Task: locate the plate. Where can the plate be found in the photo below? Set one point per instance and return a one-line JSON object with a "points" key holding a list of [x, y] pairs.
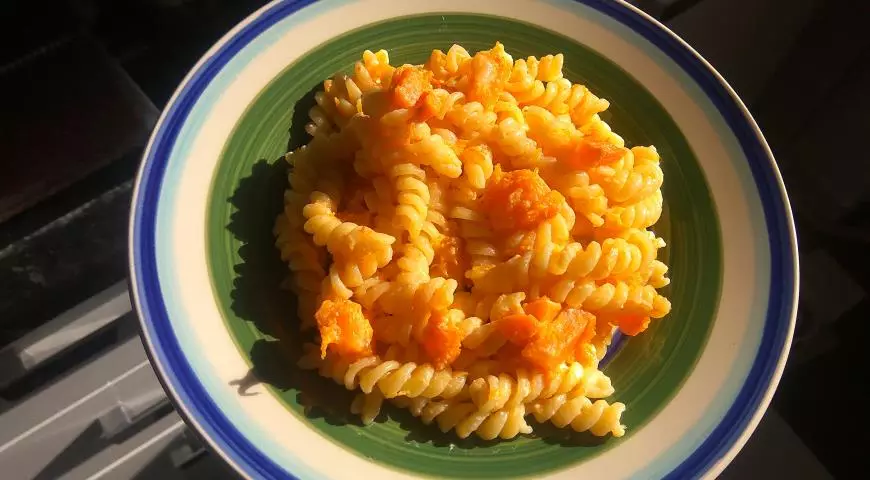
{"points": [[220, 331]]}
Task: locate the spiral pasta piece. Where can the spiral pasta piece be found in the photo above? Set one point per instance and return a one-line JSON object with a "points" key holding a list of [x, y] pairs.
{"points": [[485, 338], [610, 297], [561, 97], [298, 249], [357, 251], [367, 406], [370, 291], [614, 258], [477, 165], [464, 419], [413, 301], [447, 67], [306, 261], [586, 199], [477, 234], [343, 238], [497, 392], [391, 378], [472, 120], [597, 129], [510, 136], [432, 150], [581, 414], [642, 214], [412, 197]]}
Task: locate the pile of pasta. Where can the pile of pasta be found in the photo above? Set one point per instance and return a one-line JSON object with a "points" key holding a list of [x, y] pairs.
{"points": [[465, 236]]}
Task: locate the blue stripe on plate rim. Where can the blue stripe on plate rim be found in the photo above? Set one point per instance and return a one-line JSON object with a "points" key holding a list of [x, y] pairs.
{"points": [[197, 407]]}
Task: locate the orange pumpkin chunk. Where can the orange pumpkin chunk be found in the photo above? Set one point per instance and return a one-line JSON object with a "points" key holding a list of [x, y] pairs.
{"points": [[429, 106], [450, 260], [543, 309], [519, 200], [590, 153], [442, 340], [409, 84], [518, 328], [633, 324], [557, 340], [343, 325], [489, 72]]}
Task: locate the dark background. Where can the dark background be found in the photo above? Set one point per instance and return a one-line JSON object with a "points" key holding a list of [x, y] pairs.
{"points": [[82, 83]]}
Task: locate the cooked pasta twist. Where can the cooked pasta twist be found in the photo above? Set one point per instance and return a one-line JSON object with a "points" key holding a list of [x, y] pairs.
{"points": [[655, 275], [297, 249], [485, 339], [475, 305], [496, 392], [418, 255], [446, 67], [587, 199], [392, 378], [367, 406], [642, 214], [561, 97], [510, 136], [464, 418], [436, 294], [370, 291], [342, 237], [610, 297], [477, 165], [401, 330], [547, 68], [473, 120], [475, 230], [628, 180], [444, 102], [432, 150], [615, 258], [368, 249], [597, 129], [599, 418], [412, 197], [306, 260], [341, 96]]}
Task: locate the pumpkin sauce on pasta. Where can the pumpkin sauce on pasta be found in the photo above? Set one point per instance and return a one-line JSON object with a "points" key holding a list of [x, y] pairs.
{"points": [[464, 238]]}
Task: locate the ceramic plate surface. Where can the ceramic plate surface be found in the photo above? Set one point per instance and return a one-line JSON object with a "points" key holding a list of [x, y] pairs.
{"points": [[221, 333]]}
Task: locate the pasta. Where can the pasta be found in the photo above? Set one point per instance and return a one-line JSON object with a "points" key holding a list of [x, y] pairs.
{"points": [[581, 414], [465, 237], [466, 418]]}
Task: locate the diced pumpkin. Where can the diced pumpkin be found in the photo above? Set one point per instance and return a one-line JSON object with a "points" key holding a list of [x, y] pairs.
{"points": [[518, 328], [557, 339], [633, 324], [442, 340], [543, 309], [450, 260], [519, 200], [409, 84], [590, 153], [343, 325]]}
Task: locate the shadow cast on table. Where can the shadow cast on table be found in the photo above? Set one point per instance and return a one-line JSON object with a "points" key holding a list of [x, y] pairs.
{"points": [[258, 298]]}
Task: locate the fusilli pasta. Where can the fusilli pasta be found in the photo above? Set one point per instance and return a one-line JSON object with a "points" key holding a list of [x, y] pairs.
{"points": [[466, 236], [581, 414]]}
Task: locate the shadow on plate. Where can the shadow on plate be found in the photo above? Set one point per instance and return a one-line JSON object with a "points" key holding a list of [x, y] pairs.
{"points": [[258, 298]]}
